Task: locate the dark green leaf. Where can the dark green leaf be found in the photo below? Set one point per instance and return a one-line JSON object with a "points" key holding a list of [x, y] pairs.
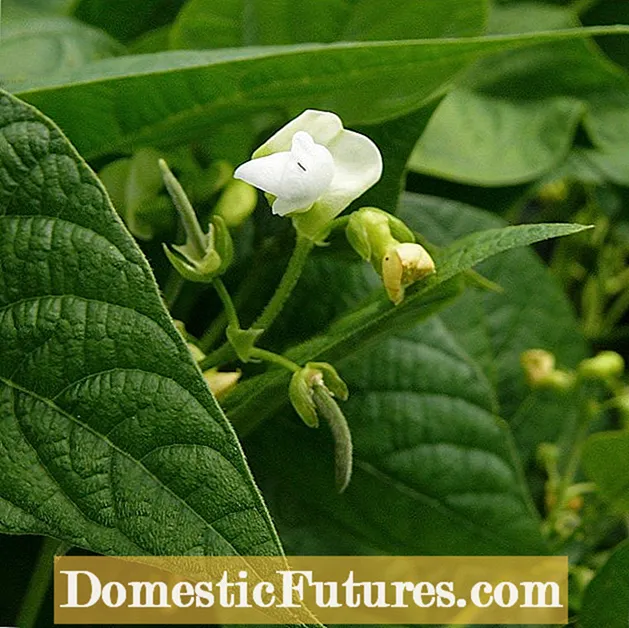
{"points": [[606, 601], [514, 116], [434, 471], [126, 19], [231, 23], [606, 462], [110, 438]]}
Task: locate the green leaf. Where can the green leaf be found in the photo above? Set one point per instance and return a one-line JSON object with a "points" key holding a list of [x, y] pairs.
{"points": [[110, 438], [496, 327], [530, 311], [606, 462], [127, 19], [513, 117], [177, 96], [231, 23], [45, 46], [606, 600], [427, 449]]}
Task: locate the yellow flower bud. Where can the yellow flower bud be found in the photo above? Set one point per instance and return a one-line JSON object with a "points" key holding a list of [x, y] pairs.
{"points": [[540, 371], [221, 383], [403, 265]]}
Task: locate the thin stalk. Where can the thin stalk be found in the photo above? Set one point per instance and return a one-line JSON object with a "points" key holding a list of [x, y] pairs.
{"points": [[274, 358], [228, 304], [195, 236], [303, 247], [40, 582]]}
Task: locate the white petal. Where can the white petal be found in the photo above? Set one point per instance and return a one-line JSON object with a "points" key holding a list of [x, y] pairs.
{"points": [[283, 207], [265, 173], [322, 126], [358, 165]]}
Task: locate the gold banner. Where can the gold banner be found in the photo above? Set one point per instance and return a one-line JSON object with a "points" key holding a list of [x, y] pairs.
{"points": [[307, 590]]}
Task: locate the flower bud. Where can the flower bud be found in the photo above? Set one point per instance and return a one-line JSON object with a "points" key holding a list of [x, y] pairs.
{"points": [[236, 203], [221, 383], [605, 365], [212, 262], [389, 245], [204, 256], [540, 371], [402, 266]]}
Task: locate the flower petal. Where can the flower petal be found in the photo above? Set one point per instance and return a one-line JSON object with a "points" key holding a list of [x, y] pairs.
{"points": [[358, 165], [323, 127], [265, 173]]}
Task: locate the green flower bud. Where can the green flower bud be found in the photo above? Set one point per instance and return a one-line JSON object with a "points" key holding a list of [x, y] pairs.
{"points": [[605, 365], [214, 260], [389, 245], [236, 203]]}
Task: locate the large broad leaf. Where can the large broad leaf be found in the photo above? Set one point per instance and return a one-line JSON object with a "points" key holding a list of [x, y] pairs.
{"points": [[45, 46], [110, 438], [177, 96], [514, 117], [606, 600], [434, 471], [230, 23], [606, 462]]}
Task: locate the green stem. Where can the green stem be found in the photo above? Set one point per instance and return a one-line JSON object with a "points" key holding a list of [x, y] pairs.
{"points": [[196, 237], [40, 582], [228, 304], [274, 358], [303, 247]]}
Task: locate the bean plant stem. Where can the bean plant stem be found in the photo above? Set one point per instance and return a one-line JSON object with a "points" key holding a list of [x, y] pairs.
{"points": [[228, 304], [303, 248], [40, 582], [274, 358]]}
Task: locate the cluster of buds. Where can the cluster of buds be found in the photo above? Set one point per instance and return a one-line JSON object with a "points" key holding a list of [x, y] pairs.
{"points": [[310, 170]]}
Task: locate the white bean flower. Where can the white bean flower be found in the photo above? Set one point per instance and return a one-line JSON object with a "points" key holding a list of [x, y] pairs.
{"points": [[312, 169]]}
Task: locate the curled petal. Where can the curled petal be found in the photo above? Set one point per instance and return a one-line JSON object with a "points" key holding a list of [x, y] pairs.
{"points": [[265, 173]]}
